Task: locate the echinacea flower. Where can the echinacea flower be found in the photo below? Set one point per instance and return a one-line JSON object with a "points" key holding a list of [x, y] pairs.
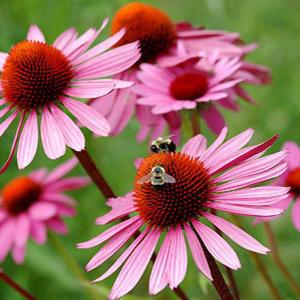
{"points": [[191, 85], [40, 79], [290, 178], [31, 204], [165, 43], [222, 177]]}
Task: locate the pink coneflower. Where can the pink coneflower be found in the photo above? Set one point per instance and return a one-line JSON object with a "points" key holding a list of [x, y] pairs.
{"points": [[290, 178], [41, 79], [190, 85], [220, 177], [29, 205]]}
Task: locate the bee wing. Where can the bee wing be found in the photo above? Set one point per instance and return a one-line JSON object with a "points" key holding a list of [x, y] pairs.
{"points": [[169, 178], [145, 179]]}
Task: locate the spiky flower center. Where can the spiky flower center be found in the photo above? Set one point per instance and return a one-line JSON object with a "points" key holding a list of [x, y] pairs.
{"points": [[189, 86], [153, 28], [19, 194], [172, 203], [35, 74], [293, 181]]}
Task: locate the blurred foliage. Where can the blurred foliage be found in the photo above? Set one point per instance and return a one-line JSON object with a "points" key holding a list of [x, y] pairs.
{"points": [[275, 25]]}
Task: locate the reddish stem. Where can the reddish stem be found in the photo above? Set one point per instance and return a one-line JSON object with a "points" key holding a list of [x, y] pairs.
{"points": [[94, 173], [15, 286]]}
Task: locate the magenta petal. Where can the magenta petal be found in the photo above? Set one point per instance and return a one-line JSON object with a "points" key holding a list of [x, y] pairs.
{"points": [[42, 211], [22, 229], [28, 141], [213, 118], [38, 231], [236, 234], [52, 137], [35, 34], [73, 136], [7, 230], [195, 146], [57, 225], [197, 252], [135, 266], [18, 254], [296, 214], [217, 246]]}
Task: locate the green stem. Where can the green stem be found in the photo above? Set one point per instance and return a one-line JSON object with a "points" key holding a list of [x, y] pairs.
{"points": [[73, 266]]}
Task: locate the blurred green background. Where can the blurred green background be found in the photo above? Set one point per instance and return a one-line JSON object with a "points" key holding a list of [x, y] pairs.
{"points": [[275, 25]]}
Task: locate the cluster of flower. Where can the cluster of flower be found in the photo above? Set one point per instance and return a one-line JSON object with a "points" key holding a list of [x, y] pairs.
{"points": [[157, 70]]}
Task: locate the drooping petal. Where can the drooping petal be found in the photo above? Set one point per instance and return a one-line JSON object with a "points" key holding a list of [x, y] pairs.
{"points": [[38, 231], [7, 230], [197, 252], [213, 119], [236, 234], [88, 116], [296, 214], [73, 136], [28, 141], [41, 210], [18, 253], [217, 246], [22, 230], [5, 124], [57, 225], [52, 137], [35, 34]]}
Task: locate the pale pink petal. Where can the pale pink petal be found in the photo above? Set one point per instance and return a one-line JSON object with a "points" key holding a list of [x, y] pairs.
{"points": [[7, 230], [65, 210], [293, 151], [90, 90], [88, 116], [35, 34], [296, 214], [261, 211], [4, 111], [217, 246], [197, 252], [57, 225], [38, 231], [5, 124], [65, 38], [135, 266], [3, 57], [213, 118], [123, 257], [236, 234], [61, 170], [67, 184], [73, 136], [177, 261], [38, 175], [52, 137], [41, 210], [18, 254], [195, 146], [58, 197], [109, 233], [22, 230], [225, 85], [28, 141], [113, 245]]}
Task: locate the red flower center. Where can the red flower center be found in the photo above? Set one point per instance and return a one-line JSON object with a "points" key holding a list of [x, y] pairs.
{"points": [[153, 28], [171, 203], [189, 86], [19, 194], [35, 74], [293, 180]]}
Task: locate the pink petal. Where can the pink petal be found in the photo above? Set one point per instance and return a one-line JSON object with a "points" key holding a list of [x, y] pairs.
{"points": [[197, 252], [109, 233], [236, 234], [123, 257], [213, 118], [3, 57], [65, 210], [67, 184], [217, 246], [115, 213], [61, 170], [57, 225], [135, 266], [18, 254], [88, 117], [65, 39], [41, 211], [3, 214], [38, 232], [6, 237], [4, 111], [28, 141], [38, 175], [296, 214], [52, 137], [73, 136], [113, 245], [293, 151], [5, 124], [22, 230], [35, 34], [57, 197], [90, 90], [177, 261]]}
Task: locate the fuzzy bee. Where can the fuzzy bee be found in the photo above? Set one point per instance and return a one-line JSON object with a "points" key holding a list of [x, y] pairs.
{"points": [[157, 177], [163, 144]]}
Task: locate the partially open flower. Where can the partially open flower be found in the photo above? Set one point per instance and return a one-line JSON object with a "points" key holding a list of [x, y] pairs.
{"points": [[290, 178], [38, 78], [173, 194], [29, 205]]}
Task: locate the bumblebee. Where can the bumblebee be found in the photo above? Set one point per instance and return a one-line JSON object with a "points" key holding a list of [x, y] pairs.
{"points": [[157, 177], [163, 144]]}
